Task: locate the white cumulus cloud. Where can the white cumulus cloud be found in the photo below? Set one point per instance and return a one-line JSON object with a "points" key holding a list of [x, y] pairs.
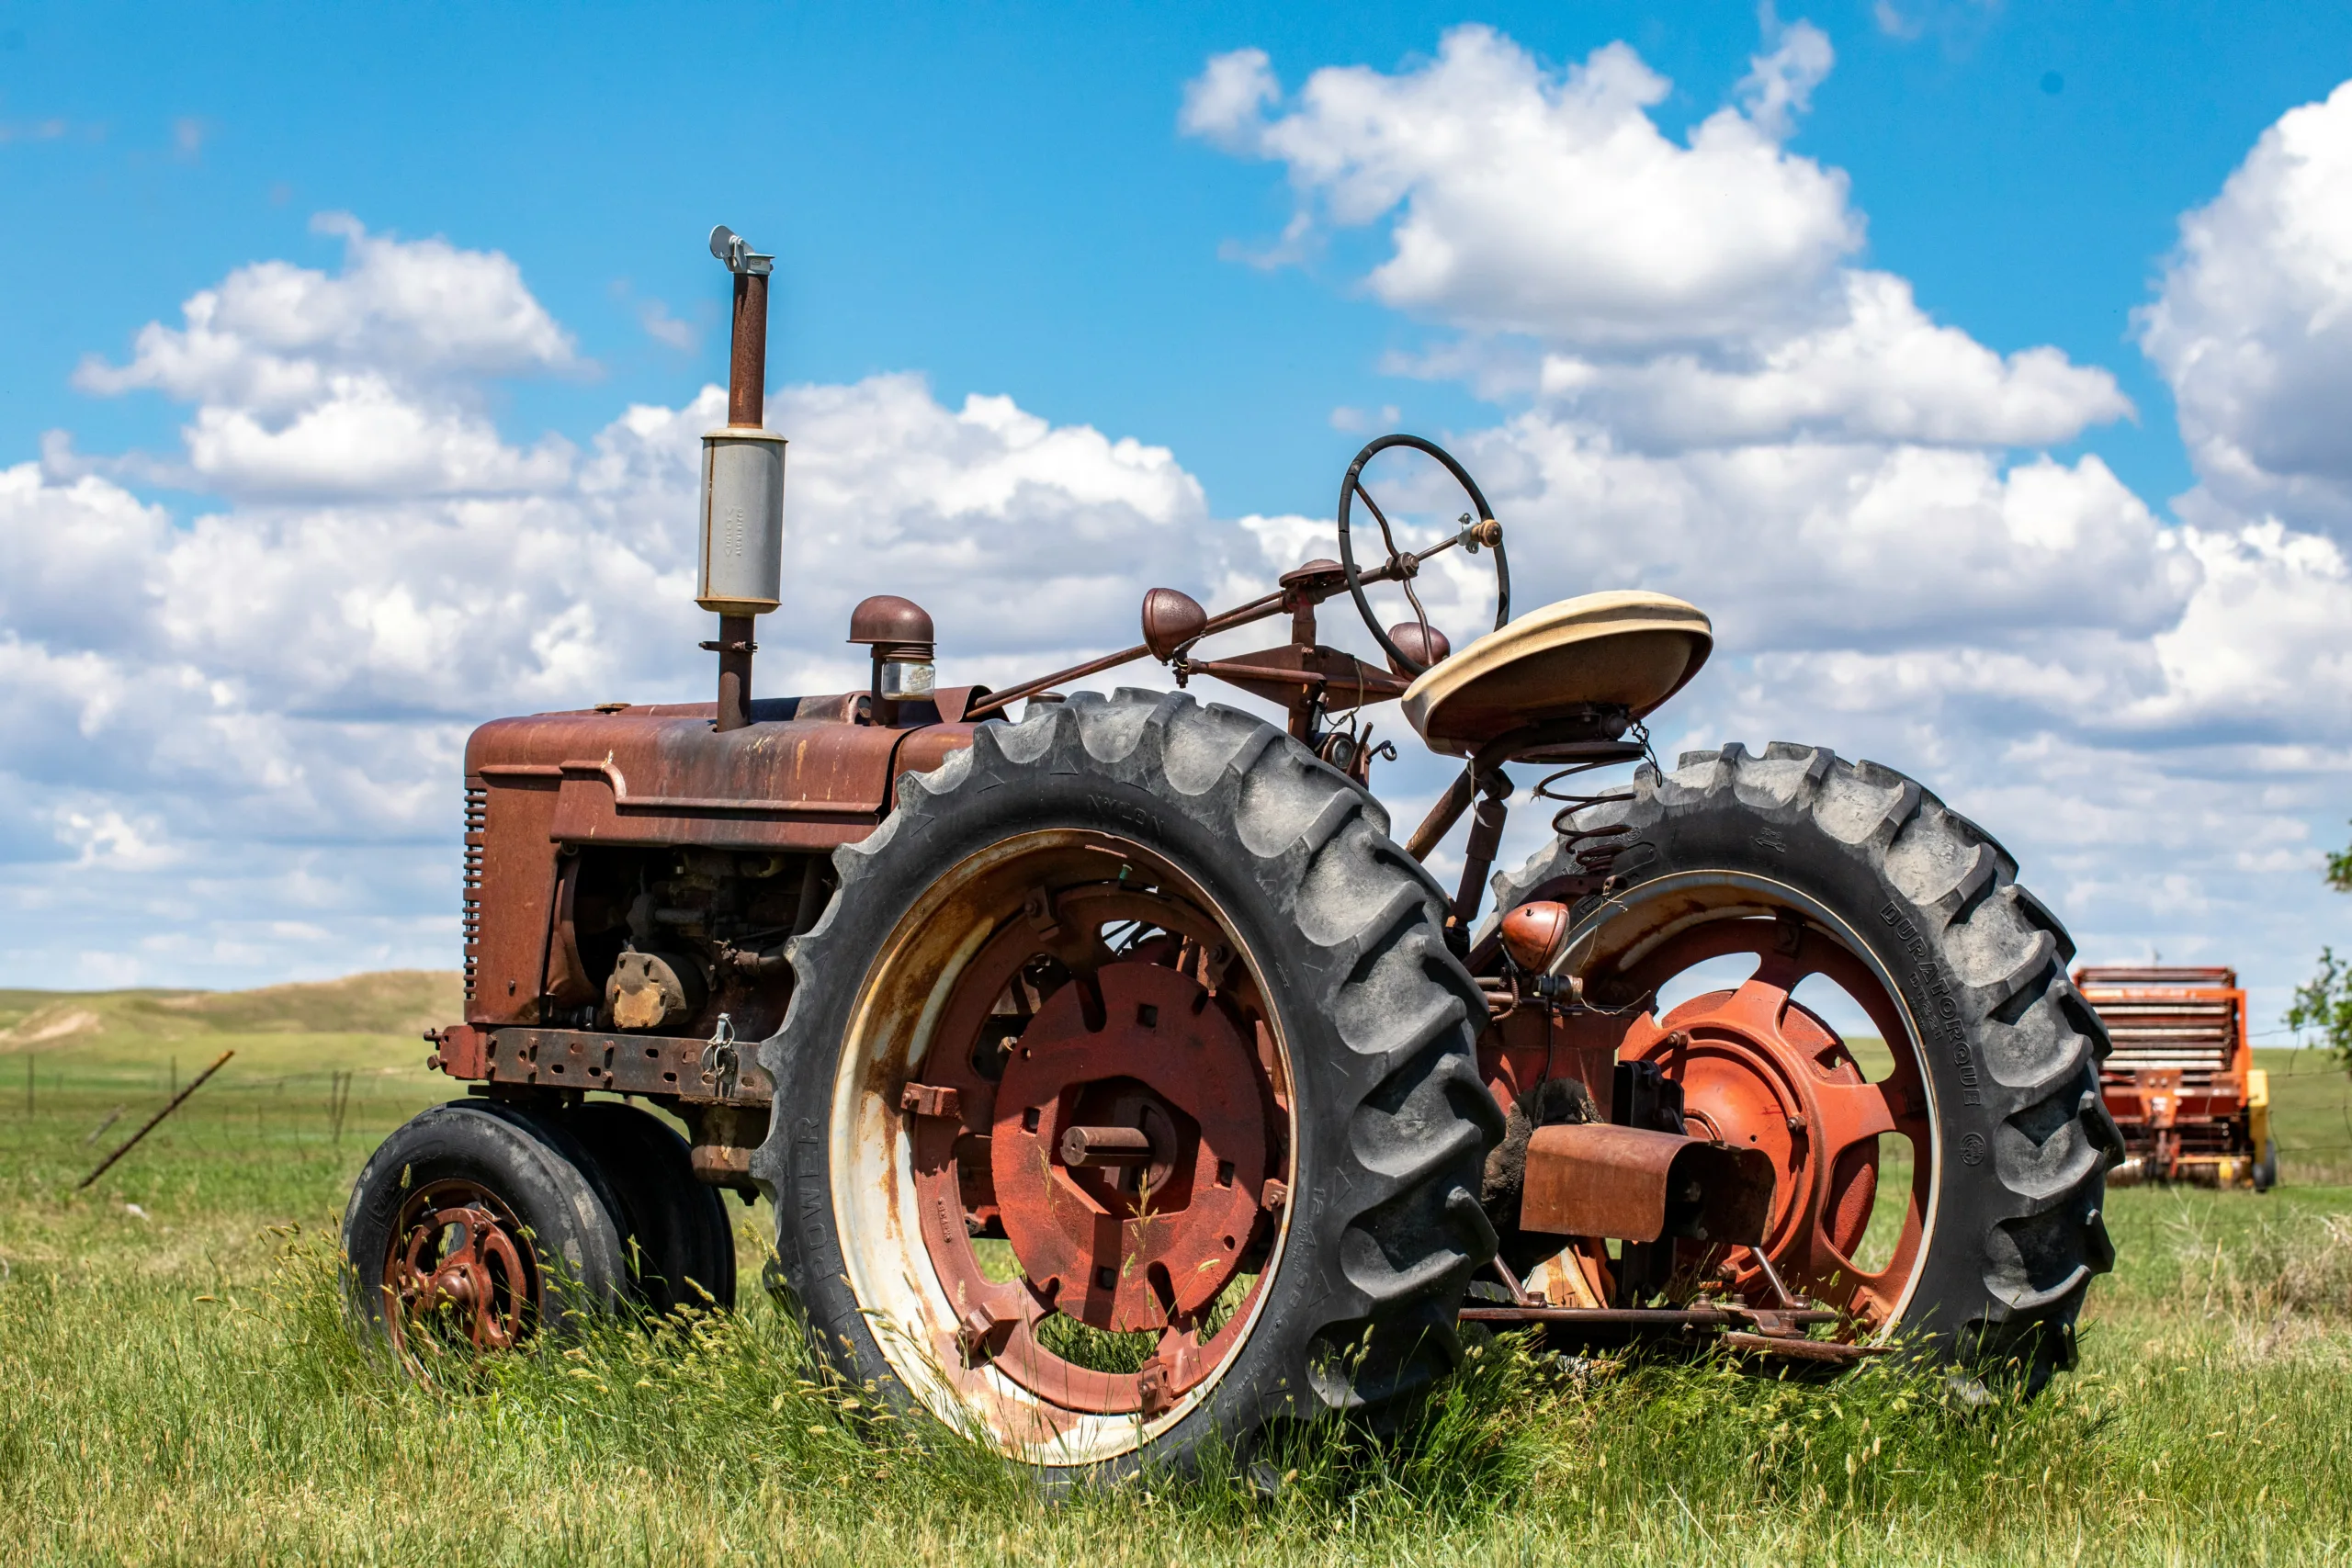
{"points": [[268, 334], [366, 382], [1685, 292], [2253, 324], [1546, 204], [255, 712], [1816, 545], [1881, 370]]}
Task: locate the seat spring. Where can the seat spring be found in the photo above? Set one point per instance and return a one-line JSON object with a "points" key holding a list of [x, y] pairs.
{"points": [[1592, 858]]}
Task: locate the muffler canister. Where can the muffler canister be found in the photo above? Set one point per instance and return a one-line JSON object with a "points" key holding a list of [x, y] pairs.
{"points": [[743, 521]]}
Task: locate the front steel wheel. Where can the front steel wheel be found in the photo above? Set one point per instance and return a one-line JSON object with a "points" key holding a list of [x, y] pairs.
{"points": [[1126, 1096], [459, 1266]]}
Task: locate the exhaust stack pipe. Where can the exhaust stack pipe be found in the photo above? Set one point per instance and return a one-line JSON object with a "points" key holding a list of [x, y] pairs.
{"points": [[742, 489]]}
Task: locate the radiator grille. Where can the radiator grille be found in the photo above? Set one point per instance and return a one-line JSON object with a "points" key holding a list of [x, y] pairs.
{"points": [[476, 824]]}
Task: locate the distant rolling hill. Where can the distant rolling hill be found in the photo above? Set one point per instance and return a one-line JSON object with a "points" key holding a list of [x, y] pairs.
{"points": [[394, 1005]]}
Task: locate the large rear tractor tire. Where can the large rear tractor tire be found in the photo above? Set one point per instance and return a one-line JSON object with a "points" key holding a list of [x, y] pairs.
{"points": [[1126, 1100], [1798, 868]]}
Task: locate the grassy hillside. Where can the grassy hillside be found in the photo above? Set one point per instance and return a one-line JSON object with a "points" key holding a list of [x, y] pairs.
{"points": [[321, 1073], [180, 1388], [399, 1002], [2311, 1114]]}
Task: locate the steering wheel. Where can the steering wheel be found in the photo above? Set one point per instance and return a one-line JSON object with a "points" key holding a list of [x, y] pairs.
{"points": [[1478, 528]]}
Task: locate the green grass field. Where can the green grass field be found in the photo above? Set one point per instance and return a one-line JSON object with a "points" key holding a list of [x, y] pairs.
{"points": [[179, 1386]]}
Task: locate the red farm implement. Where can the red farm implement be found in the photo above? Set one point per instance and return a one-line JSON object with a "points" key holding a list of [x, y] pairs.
{"points": [[2182, 1084]]}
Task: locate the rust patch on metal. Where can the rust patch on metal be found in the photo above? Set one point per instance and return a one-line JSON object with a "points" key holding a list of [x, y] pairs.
{"points": [[927, 1100], [458, 1262], [806, 774], [1152, 1233], [669, 1066], [1533, 934], [1157, 1044], [1279, 674]]}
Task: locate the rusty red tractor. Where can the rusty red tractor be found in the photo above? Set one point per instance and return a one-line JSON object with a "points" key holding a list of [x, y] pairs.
{"points": [[1121, 1085]]}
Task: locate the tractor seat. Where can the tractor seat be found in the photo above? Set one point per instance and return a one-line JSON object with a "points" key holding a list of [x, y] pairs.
{"points": [[1626, 648]]}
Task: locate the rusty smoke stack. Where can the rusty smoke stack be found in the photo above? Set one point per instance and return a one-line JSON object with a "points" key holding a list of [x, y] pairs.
{"points": [[742, 488]]}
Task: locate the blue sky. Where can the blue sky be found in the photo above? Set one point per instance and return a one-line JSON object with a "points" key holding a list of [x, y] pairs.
{"points": [[1925, 467], [1000, 197]]}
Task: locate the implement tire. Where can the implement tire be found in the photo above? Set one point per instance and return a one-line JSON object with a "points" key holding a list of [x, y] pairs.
{"points": [[2016, 1139], [1335, 934]]}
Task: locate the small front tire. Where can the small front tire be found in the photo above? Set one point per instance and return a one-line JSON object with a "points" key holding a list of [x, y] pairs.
{"points": [[479, 1224], [2266, 1169]]}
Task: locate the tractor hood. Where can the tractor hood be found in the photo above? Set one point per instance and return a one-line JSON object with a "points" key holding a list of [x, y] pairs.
{"points": [[806, 773]]}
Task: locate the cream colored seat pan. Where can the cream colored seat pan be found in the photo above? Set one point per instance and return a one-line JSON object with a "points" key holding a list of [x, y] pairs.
{"points": [[1626, 648]]}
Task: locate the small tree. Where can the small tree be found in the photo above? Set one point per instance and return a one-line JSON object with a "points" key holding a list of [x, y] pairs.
{"points": [[2325, 1005]]}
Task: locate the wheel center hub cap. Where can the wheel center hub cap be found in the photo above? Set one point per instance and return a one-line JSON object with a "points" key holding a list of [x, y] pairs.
{"points": [[1133, 1240], [1760, 1071]]}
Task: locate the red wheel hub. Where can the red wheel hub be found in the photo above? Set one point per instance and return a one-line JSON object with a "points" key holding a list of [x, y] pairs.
{"points": [[1115, 1116], [455, 1257], [1761, 1070], [1141, 1246]]}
